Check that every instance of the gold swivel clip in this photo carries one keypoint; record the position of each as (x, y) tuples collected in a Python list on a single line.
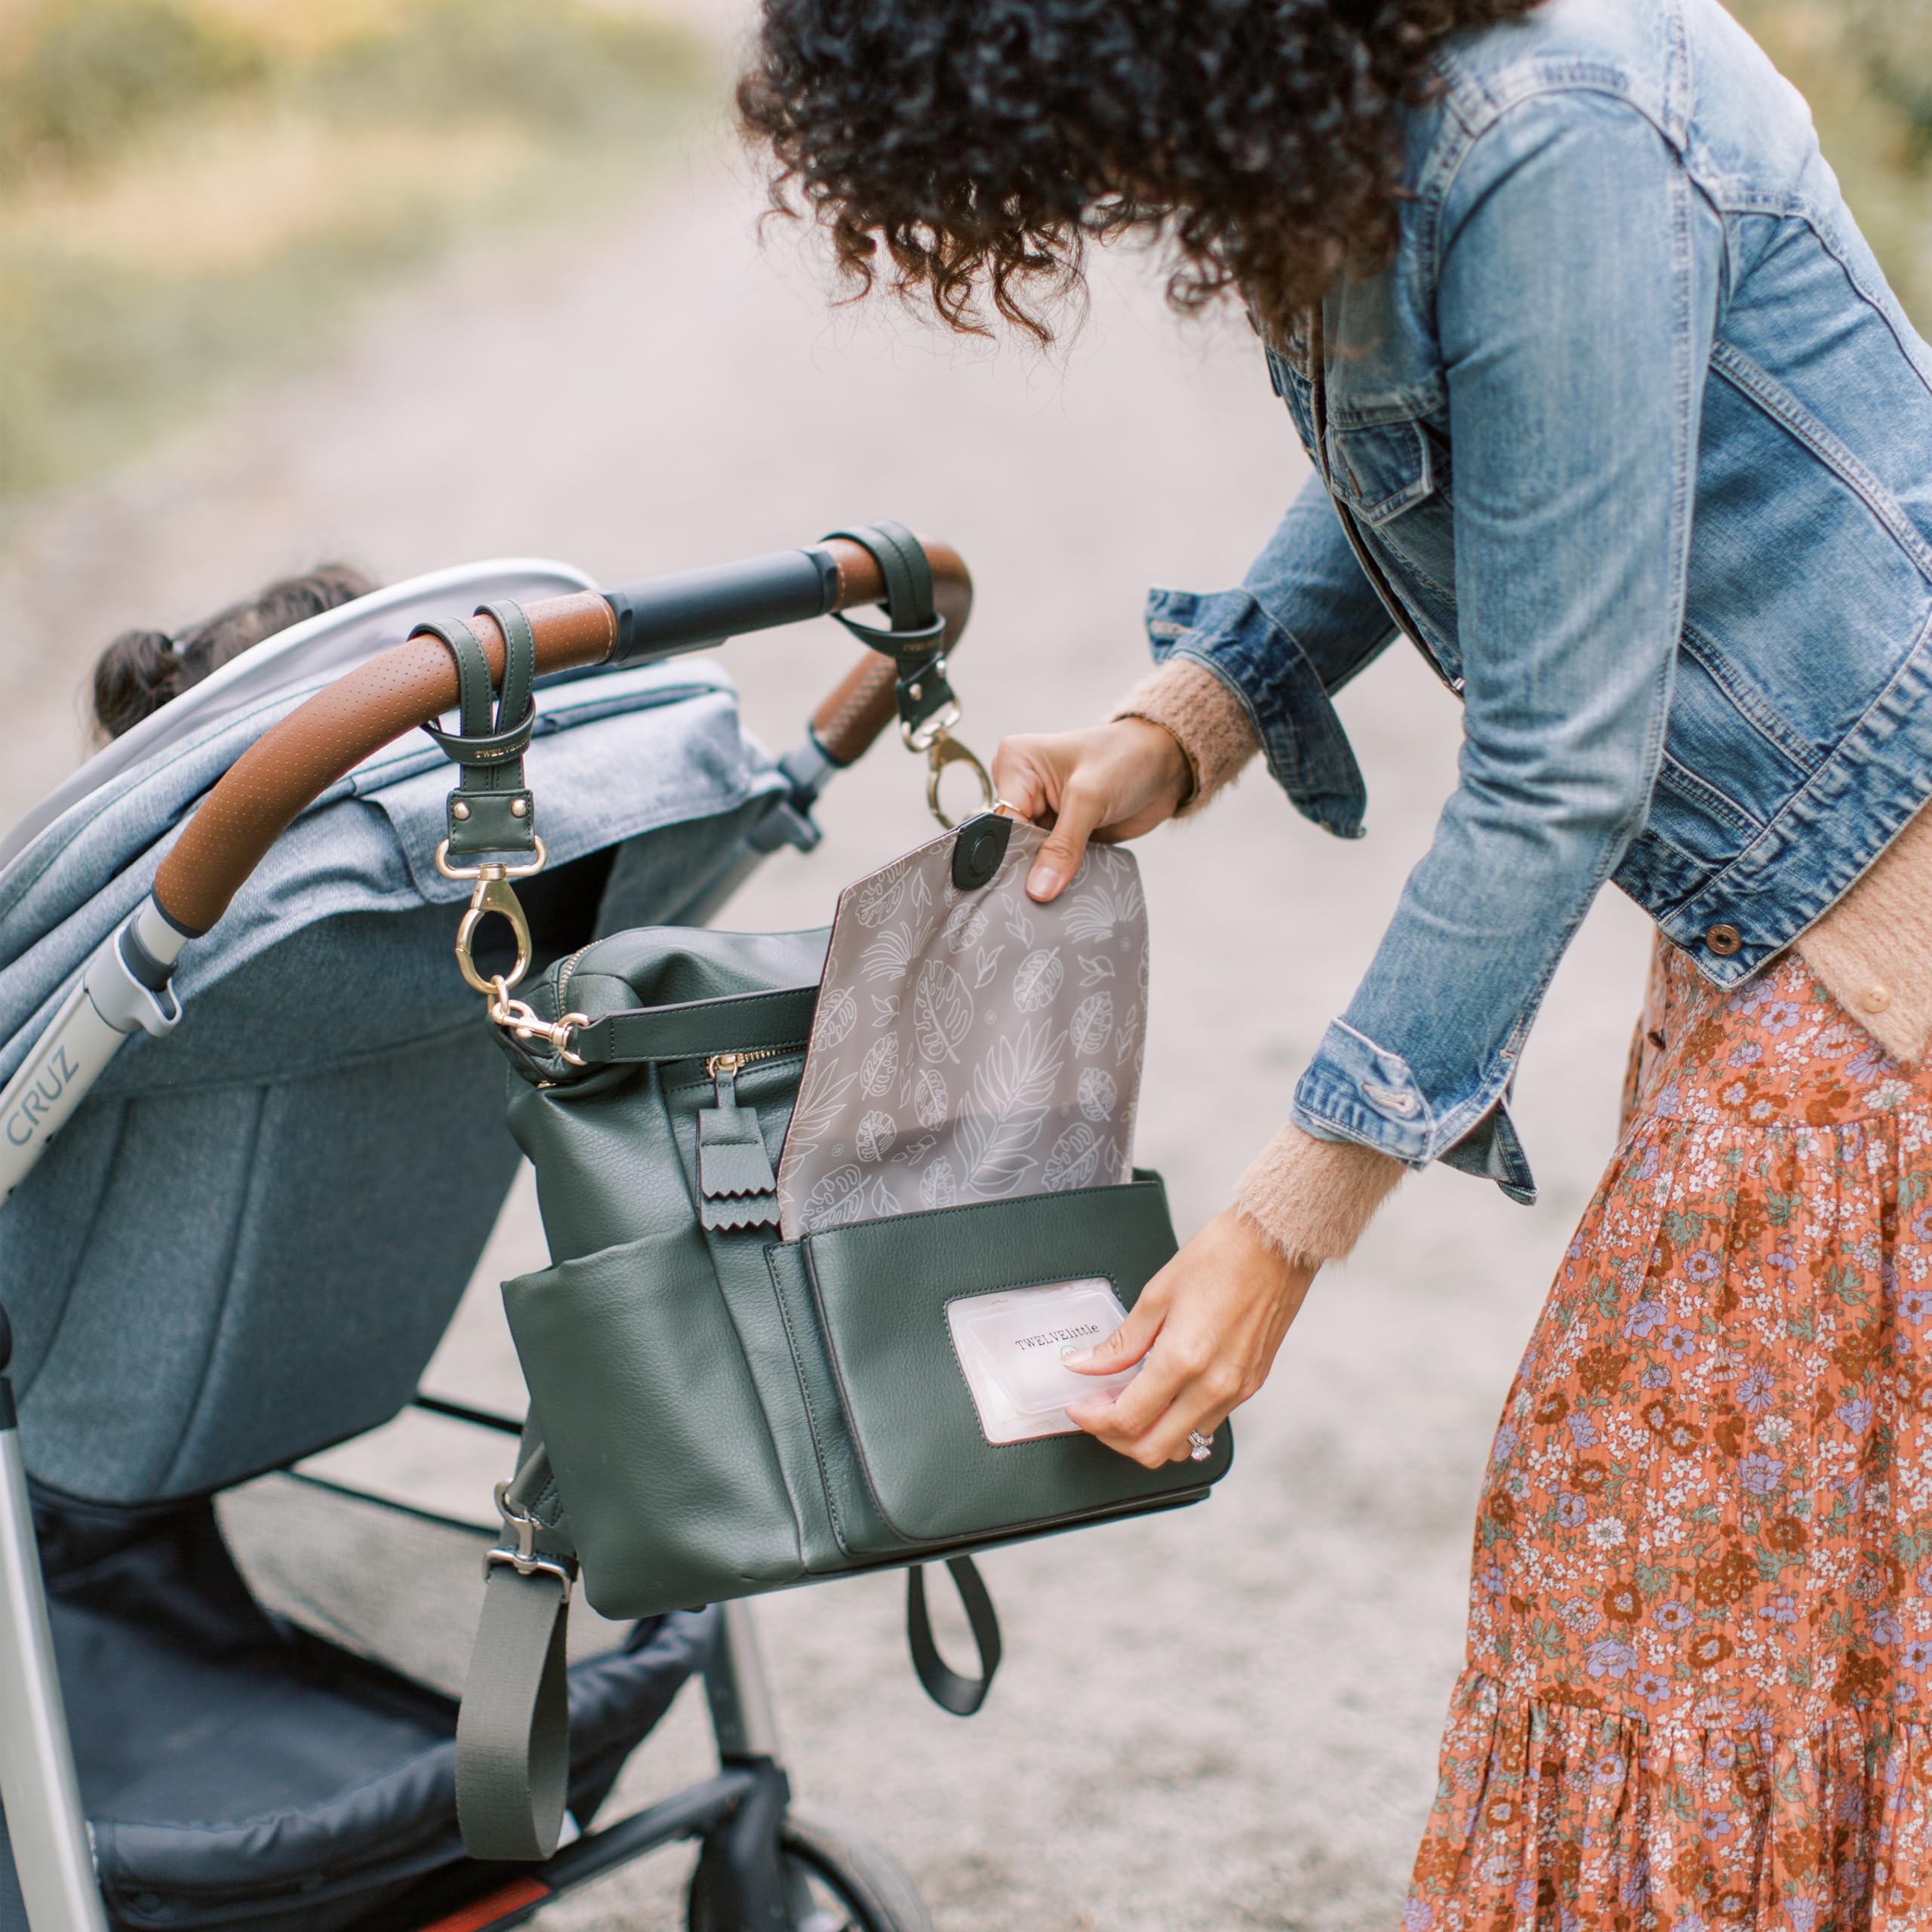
[(493, 892)]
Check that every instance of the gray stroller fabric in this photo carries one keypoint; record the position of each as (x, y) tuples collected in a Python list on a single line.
[(252, 1235)]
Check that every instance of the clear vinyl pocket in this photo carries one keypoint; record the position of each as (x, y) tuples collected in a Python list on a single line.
[(668, 1498), (887, 1292)]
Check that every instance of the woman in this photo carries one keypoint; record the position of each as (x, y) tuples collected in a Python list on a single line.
[(1614, 417)]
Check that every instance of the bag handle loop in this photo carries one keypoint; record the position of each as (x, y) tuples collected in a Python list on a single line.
[(947, 1687)]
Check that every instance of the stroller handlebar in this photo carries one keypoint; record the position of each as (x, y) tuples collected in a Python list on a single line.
[(414, 683)]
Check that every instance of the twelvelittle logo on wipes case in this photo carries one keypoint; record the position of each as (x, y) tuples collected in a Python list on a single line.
[(1084, 1336), (1012, 1347)]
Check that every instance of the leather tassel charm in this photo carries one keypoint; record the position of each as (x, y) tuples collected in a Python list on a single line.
[(735, 1185)]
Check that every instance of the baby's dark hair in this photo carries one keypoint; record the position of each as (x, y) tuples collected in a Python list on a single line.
[(141, 670)]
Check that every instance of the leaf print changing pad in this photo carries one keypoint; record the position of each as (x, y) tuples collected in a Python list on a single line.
[(970, 1046)]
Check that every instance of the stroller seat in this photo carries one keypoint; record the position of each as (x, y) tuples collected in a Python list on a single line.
[(239, 1770)]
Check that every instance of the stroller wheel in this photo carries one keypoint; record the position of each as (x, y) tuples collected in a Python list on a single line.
[(837, 1880)]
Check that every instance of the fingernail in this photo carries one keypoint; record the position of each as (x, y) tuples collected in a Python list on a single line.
[(1043, 881), (1079, 1358)]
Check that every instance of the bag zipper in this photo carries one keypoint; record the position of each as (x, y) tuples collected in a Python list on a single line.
[(563, 972), (734, 1064)]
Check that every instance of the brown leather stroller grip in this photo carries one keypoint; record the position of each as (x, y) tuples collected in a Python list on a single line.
[(296, 762)]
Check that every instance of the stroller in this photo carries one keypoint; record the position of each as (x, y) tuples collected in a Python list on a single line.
[(256, 1223)]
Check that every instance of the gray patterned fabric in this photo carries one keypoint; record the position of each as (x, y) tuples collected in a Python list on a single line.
[(970, 1046)]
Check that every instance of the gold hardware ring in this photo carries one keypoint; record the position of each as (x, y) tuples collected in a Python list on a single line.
[(944, 750)]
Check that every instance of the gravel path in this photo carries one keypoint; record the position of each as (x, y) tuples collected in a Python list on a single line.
[(1223, 1720)]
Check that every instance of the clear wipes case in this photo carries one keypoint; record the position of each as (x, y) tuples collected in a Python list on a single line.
[(1012, 1347)]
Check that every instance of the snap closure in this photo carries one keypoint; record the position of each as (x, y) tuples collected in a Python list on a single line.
[(1875, 999), (1724, 941), (979, 850)]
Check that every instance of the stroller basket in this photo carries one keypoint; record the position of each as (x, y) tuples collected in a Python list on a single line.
[(251, 1149)]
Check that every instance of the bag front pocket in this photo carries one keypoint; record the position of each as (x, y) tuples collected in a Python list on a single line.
[(663, 1454), (883, 1289)]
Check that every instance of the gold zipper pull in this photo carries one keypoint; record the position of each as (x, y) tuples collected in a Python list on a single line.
[(732, 1065)]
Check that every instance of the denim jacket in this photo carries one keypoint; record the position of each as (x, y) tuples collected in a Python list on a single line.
[(1639, 443)]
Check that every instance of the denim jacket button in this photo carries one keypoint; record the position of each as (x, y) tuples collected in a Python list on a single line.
[(1724, 941), (1391, 1101)]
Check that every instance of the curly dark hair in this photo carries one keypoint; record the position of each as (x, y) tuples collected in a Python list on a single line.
[(985, 143)]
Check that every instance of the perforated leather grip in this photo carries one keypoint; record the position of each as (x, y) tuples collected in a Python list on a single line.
[(865, 704), (324, 739)]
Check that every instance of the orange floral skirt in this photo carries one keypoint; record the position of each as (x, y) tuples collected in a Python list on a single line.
[(1699, 1683)]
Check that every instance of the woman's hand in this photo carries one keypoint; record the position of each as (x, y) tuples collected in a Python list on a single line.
[(1114, 782), (1208, 1326)]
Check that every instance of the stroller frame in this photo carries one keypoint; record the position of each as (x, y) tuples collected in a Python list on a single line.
[(739, 1813)]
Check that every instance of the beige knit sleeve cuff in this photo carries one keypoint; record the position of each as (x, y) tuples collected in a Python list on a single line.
[(1311, 1199), (1210, 724)]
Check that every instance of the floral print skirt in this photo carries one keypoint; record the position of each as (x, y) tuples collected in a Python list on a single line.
[(1698, 1692)]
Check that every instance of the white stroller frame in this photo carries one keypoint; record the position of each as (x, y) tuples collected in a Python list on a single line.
[(126, 988)]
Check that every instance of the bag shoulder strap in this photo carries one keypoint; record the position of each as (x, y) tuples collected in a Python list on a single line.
[(916, 641), (735, 1023), (513, 1727), (741, 1022)]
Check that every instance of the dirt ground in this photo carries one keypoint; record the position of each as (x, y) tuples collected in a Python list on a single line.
[(1223, 1720)]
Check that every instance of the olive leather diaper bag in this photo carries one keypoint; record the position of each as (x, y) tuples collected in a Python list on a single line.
[(718, 1409)]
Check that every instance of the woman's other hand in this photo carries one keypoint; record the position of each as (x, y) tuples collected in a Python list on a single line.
[(1114, 782), (1207, 1328)]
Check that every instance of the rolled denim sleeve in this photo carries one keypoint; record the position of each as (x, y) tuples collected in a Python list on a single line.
[(1305, 620), (1576, 302)]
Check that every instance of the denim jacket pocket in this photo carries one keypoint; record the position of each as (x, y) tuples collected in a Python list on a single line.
[(1381, 470)]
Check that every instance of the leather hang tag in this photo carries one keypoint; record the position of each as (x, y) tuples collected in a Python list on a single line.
[(737, 1188)]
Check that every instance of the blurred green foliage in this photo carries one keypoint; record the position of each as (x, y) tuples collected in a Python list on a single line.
[(1895, 36), (575, 72), (1865, 67), (193, 191), (97, 77)]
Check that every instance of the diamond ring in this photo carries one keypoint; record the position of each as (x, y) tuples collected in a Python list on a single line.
[(1199, 1446)]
